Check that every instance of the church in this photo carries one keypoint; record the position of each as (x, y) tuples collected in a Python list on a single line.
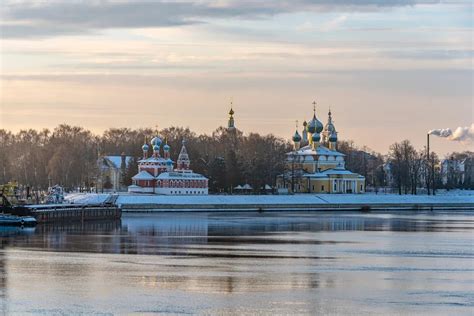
[(157, 175), (314, 165)]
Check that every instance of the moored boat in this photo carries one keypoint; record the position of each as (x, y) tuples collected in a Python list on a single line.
[(13, 220)]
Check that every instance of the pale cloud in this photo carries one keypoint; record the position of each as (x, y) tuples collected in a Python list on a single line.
[(381, 65), (334, 24), (53, 18)]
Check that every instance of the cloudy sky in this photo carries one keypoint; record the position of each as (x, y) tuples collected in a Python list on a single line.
[(389, 69)]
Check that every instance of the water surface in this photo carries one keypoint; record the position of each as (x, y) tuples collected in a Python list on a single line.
[(246, 263)]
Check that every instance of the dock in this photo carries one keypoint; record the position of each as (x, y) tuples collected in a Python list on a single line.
[(46, 213)]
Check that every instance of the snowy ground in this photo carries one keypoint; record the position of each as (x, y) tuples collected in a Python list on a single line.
[(301, 199), (86, 198)]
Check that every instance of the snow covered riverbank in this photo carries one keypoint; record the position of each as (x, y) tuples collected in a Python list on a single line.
[(275, 202)]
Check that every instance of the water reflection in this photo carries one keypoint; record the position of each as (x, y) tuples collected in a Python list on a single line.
[(161, 234), (246, 263)]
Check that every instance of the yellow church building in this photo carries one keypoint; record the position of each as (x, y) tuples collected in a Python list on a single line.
[(315, 165)]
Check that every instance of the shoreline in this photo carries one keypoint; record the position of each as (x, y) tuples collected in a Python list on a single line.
[(259, 203)]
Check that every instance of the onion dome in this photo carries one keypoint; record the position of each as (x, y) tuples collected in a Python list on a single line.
[(330, 128), (333, 137), (231, 112), (316, 137), (156, 148), (296, 137), (314, 126), (305, 123), (145, 147), (169, 162), (156, 141), (166, 147)]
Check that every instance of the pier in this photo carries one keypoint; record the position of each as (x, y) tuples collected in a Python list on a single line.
[(74, 212), (297, 202)]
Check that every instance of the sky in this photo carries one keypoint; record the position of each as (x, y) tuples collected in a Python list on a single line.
[(389, 69)]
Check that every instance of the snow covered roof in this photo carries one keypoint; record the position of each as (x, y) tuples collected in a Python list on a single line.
[(340, 171), (321, 150), (143, 175), (330, 172), (153, 159), (246, 187), (181, 175), (117, 160), (315, 175)]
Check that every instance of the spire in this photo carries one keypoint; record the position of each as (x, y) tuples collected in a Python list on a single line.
[(145, 149), (304, 134), (297, 138), (329, 132), (183, 161), (166, 149), (231, 123)]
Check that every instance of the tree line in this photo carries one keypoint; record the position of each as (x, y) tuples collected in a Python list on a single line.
[(68, 156)]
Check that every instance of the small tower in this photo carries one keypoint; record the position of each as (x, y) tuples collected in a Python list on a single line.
[(183, 161), (329, 129), (314, 127), (304, 140), (145, 148), (169, 165), (166, 150), (333, 141), (156, 143), (231, 123), (297, 138), (316, 138)]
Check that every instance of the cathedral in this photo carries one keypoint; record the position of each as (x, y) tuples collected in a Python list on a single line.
[(156, 174), (315, 165)]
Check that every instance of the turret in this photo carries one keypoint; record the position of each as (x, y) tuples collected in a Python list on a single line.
[(314, 126), (297, 138), (166, 150), (329, 129), (316, 138), (304, 140), (231, 123), (183, 161), (169, 165), (333, 141), (156, 143), (145, 148)]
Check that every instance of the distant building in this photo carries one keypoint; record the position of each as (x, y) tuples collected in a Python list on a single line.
[(315, 165), (156, 174), (112, 170), (388, 174), (231, 122), (457, 173)]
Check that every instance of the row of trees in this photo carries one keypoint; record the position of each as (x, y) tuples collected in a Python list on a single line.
[(68, 156)]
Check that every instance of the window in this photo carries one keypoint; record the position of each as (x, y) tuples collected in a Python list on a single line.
[(313, 187), (322, 188)]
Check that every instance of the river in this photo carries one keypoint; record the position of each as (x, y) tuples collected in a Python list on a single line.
[(243, 264)]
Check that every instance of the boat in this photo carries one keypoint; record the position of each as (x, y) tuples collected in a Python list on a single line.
[(8, 208), (14, 220)]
